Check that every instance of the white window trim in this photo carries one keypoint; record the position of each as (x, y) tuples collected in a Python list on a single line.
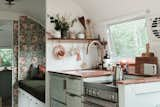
[(123, 19)]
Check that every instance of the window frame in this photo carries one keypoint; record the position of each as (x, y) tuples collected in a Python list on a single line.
[(108, 32), (11, 49)]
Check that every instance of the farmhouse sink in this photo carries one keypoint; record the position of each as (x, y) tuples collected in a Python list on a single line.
[(109, 78), (100, 79)]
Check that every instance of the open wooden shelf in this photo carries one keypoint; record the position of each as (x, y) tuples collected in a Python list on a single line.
[(74, 40)]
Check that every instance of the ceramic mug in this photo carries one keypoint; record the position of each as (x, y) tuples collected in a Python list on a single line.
[(81, 36)]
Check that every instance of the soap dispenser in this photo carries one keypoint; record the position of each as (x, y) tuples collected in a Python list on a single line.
[(107, 61)]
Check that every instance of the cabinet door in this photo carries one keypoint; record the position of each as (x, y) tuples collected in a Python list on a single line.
[(74, 86), (57, 88), (57, 104), (74, 101)]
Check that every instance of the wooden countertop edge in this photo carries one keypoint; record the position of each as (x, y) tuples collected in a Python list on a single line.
[(77, 73), (83, 74), (63, 73), (140, 74), (139, 80)]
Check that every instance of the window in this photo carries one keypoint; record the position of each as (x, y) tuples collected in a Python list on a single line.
[(128, 39), (6, 57)]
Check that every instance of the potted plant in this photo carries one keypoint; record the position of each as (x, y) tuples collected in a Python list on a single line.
[(57, 26), (62, 24)]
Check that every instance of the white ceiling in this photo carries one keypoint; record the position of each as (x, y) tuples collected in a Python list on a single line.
[(101, 10), (33, 8)]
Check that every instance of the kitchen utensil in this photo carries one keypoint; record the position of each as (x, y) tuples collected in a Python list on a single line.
[(82, 21), (88, 30), (140, 61), (84, 64), (72, 51), (148, 53), (59, 52), (78, 55)]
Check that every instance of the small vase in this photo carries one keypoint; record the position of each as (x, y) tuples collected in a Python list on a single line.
[(88, 34), (72, 35), (64, 34), (57, 34)]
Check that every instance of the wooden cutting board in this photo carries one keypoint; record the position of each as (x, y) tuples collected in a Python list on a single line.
[(140, 63)]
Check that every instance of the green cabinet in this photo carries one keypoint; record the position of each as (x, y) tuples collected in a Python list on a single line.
[(65, 90), (74, 86), (74, 101), (57, 104), (57, 88)]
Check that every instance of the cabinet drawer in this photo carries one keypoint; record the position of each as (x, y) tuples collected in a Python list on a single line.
[(74, 101), (57, 104), (74, 86)]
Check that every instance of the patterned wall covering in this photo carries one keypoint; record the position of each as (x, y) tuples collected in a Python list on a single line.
[(15, 62), (31, 45)]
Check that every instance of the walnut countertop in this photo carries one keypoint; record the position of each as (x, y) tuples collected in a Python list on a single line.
[(140, 74), (98, 73), (140, 80), (143, 79), (85, 73)]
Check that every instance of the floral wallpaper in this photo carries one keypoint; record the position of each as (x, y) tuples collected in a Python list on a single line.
[(29, 48), (15, 63), (31, 45)]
